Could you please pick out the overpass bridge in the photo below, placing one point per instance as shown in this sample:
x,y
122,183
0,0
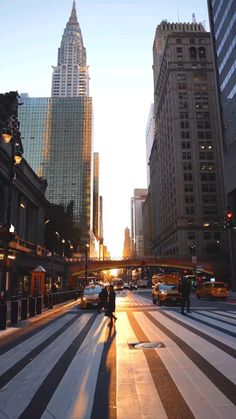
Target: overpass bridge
x,y
78,267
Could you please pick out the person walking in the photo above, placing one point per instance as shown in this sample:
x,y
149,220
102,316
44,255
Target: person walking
x,y
184,289
111,307
103,297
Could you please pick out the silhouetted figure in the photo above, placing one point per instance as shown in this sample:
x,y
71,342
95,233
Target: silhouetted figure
x,y
111,307
184,289
103,297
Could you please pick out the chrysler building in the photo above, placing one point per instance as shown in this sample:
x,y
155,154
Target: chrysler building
x,y
70,77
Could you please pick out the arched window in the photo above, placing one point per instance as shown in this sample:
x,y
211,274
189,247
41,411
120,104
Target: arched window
x,y
193,52
202,52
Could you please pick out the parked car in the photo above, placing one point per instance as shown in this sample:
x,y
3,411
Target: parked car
x,y
90,296
212,290
166,293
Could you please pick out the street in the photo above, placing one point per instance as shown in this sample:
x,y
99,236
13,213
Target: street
x,y
72,365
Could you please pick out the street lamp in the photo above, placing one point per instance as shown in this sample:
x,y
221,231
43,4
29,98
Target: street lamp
x,y
63,248
58,240
86,262
10,134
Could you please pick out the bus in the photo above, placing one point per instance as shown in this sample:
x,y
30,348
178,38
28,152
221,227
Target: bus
x,y
118,284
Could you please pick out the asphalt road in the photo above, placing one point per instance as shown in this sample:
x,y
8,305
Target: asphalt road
x,y
153,363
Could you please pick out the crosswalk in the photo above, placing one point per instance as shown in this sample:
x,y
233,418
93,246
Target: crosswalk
x,y
77,367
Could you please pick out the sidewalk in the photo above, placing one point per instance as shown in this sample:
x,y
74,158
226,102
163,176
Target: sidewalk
x,y
232,294
45,313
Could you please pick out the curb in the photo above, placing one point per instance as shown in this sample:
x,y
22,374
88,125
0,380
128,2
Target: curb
x,y
45,313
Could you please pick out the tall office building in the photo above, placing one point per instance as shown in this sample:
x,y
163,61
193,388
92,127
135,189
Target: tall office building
x,y
127,248
57,132
70,77
186,185
137,202
222,14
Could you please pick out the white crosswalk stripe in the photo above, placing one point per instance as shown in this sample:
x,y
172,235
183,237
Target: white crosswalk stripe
x,y
199,352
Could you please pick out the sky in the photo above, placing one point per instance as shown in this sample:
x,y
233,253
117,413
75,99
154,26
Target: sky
x,y
118,36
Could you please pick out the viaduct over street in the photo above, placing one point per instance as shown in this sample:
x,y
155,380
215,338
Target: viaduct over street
x,y
78,267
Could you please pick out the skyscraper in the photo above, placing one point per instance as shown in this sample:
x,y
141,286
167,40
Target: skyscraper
x,y
127,248
222,16
57,131
70,77
186,186
137,202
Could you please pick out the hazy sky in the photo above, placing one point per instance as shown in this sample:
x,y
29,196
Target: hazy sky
x,y
118,36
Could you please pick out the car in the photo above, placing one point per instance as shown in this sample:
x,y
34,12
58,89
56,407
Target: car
x,y
212,290
90,297
126,286
132,286
166,293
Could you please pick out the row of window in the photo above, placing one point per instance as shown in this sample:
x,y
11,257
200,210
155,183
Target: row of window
x,y
191,41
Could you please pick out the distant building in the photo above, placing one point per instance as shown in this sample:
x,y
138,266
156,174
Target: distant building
x,y
186,176
127,248
136,221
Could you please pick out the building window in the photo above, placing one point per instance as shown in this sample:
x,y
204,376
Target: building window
x,y
189,210
186,155
185,144
193,52
181,77
188,187
202,52
191,235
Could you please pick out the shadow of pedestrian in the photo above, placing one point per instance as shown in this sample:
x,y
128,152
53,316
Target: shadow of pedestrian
x,y
104,404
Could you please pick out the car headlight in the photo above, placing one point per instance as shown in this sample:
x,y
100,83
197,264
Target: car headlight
x,y
84,298
163,292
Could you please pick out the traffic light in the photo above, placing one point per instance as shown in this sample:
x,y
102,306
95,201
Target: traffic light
x,y
228,221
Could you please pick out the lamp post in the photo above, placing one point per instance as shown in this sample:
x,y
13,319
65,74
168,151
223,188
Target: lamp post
x,y
11,135
86,262
63,248
58,241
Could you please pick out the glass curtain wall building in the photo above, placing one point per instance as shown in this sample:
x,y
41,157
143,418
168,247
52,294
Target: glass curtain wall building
x,y
222,15
57,133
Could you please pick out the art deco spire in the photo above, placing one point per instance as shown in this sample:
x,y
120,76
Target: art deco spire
x,y
73,21
70,77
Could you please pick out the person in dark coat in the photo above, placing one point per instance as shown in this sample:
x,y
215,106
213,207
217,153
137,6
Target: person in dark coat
x,y
184,289
111,307
103,297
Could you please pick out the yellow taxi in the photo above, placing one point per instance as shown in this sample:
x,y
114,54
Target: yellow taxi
x,y
212,290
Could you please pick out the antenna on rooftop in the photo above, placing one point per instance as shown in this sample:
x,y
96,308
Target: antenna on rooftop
x,y
193,18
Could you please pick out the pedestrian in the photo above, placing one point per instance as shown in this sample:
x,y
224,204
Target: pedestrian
x,y
184,289
111,307
103,299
